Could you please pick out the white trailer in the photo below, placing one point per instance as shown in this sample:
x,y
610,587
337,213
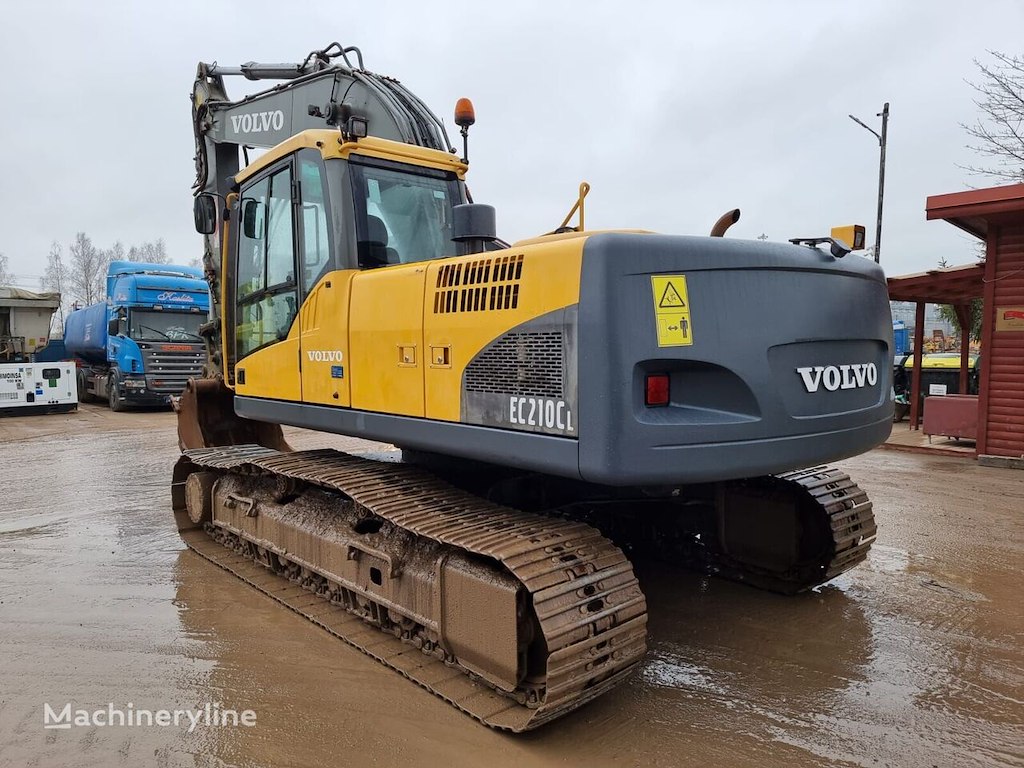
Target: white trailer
x,y
37,388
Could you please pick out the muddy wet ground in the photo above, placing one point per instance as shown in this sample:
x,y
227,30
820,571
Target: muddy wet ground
x,y
914,659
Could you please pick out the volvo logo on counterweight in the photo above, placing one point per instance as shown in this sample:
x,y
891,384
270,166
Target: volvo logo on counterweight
x,y
834,377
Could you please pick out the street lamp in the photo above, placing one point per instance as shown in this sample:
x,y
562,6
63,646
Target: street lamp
x,y
884,114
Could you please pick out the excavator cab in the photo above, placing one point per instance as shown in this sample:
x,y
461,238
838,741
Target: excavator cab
x,y
313,206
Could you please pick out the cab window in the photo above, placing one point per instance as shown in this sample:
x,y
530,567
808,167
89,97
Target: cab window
x,y
267,299
316,250
405,216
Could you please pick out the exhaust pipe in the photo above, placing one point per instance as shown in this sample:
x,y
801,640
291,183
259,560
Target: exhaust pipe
x,y
726,221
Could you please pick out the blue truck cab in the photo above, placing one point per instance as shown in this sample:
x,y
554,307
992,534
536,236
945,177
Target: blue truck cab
x,y
141,345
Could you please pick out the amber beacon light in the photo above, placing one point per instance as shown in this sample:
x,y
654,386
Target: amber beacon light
x,y
465,116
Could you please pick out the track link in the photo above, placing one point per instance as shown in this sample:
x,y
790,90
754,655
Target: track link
x,y
844,513
588,605
831,533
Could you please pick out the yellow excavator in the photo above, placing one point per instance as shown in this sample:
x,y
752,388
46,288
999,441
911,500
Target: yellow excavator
x,y
555,401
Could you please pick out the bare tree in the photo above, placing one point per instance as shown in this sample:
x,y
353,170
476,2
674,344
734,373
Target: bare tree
x,y
6,277
116,252
998,132
87,273
55,278
151,253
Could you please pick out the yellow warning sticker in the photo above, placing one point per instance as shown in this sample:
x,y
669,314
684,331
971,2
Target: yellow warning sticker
x,y
672,310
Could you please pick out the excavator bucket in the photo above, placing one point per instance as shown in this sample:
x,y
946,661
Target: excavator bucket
x,y
206,418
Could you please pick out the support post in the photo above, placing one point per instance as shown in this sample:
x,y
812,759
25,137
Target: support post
x,y
915,378
963,315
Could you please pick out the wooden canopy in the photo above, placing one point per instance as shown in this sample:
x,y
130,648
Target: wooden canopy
x,y
977,211
950,285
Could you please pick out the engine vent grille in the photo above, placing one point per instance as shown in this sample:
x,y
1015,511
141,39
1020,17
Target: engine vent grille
x,y
482,285
526,364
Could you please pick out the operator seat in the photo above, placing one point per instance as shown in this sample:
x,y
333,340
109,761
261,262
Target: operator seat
x,y
374,251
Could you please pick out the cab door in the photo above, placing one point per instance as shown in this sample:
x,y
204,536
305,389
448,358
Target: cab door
x,y
266,297
323,318
386,296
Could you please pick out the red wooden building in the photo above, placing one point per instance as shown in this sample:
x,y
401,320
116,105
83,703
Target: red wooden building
x,y
995,216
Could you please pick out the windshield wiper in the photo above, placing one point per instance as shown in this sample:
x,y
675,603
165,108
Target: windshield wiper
x,y
155,330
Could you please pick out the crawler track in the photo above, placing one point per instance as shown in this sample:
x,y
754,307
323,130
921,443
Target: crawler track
x,y
588,606
849,514
831,531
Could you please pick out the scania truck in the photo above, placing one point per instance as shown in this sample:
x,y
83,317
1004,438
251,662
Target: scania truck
x,y
141,345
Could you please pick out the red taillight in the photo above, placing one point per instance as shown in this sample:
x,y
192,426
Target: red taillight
x,y
656,392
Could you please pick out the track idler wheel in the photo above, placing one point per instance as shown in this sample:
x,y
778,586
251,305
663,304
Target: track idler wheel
x,y
199,496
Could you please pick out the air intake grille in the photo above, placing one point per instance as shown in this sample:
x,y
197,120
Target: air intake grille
x,y
527,364
479,286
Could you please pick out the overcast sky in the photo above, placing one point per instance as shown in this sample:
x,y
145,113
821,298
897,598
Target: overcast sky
x,y
674,112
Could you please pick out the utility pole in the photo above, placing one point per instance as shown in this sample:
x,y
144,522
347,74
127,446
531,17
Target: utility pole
x,y
884,114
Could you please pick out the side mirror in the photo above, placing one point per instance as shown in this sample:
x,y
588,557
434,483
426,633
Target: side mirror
x,y
204,210
112,326
252,221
